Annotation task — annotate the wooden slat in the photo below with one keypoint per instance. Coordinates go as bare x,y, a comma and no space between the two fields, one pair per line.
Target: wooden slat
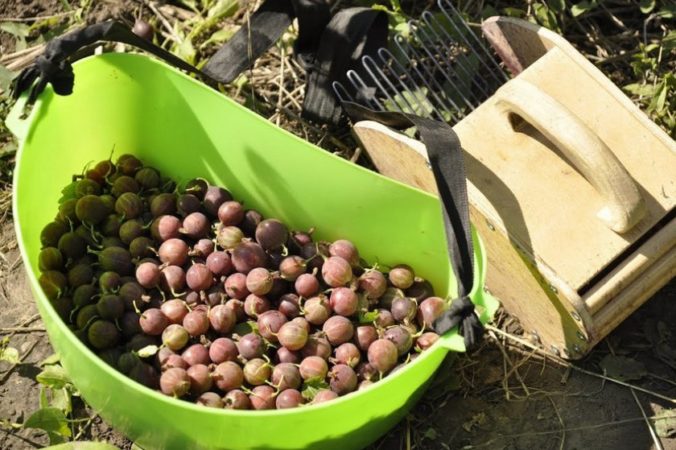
633,296
610,286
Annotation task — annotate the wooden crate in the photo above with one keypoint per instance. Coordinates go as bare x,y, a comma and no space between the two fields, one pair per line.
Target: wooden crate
572,188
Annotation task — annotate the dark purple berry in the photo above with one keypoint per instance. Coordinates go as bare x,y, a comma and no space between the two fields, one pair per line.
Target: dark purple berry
401,276
336,271
223,349
290,398
383,355
313,367
346,250
343,380
338,330
175,382
153,322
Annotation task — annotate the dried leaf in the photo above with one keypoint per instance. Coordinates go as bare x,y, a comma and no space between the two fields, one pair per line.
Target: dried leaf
148,351
623,368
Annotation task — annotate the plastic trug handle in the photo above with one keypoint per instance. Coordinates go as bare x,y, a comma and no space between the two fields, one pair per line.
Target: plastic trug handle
624,205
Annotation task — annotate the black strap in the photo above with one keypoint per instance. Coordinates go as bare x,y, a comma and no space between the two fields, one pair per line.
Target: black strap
326,47
54,65
351,34
263,29
448,166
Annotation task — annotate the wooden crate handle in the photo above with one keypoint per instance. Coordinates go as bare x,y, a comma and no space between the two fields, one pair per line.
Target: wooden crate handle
624,205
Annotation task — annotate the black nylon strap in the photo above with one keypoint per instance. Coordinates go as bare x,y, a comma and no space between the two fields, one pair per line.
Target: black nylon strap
352,33
327,47
54,65
448,166
265,27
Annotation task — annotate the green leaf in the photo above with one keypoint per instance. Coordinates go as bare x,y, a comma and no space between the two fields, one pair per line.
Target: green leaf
640,89
218,37
83,445
489,11
657,103
368,317
514,12
44,403
54,377
147,351
558,6
545,16
583,7
665,423
668,11
662,98
186,51
223,8
17,29
431,433
669,41
9,354
646,6
49,419
68,192
61,400
51,359
55,438
312,386
623,368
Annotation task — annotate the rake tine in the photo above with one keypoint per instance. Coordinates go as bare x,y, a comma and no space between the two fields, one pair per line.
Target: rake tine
359,85
446,73
385,54
478,43
435,27
368,61
341,92
401,74
446,102
457,59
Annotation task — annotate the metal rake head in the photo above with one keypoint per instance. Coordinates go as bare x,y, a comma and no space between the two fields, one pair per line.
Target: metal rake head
439,69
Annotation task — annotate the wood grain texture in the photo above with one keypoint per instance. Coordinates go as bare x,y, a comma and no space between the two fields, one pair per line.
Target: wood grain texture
623,206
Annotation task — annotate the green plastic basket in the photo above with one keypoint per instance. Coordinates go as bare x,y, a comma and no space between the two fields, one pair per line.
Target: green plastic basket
135,104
